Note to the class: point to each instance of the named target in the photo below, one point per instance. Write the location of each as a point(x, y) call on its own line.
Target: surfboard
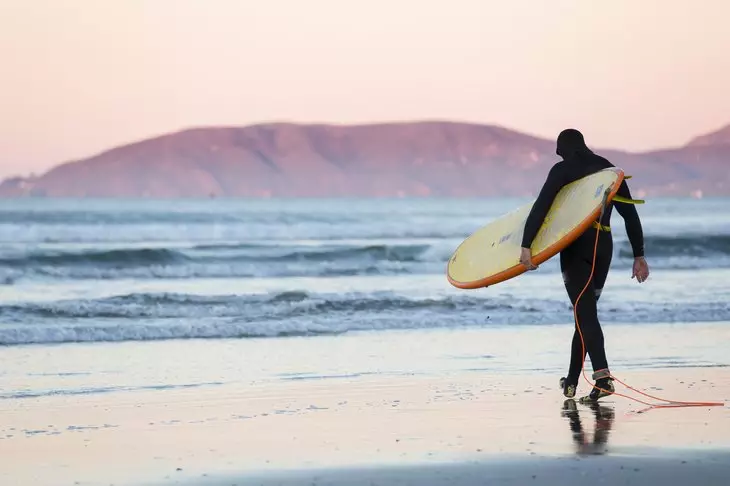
point(492, 253)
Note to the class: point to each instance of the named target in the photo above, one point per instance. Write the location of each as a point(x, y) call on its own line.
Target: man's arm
point(631, 221)
point(540, 208)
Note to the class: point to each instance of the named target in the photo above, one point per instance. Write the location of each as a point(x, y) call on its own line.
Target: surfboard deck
point(492, 253)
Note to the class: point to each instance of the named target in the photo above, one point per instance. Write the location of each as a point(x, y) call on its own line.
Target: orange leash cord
point(670, 403)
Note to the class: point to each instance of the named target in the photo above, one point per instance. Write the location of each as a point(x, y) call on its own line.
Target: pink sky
point(81, 76)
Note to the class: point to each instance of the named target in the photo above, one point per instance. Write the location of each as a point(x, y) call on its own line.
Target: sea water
point(236, 277)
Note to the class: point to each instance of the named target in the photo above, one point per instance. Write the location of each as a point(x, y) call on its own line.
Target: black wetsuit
point(576, 260)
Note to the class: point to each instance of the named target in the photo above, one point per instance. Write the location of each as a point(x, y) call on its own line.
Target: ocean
point(83, 282)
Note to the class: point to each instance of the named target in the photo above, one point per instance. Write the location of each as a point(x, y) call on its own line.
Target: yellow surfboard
point(492, 254)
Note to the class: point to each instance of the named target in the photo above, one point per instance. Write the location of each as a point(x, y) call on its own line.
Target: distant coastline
point(406, 159)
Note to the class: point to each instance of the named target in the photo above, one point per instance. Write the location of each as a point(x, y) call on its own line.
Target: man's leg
point(569, 384)
point(604, 381)
point(578, 353)
point(576, 272)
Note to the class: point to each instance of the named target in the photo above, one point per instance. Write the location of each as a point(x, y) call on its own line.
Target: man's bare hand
point(526, 259)
point(640, 270)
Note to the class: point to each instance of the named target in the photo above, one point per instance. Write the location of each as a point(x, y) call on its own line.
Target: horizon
point(83, 77)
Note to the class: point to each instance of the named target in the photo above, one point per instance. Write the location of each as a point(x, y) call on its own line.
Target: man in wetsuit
point(576, 259)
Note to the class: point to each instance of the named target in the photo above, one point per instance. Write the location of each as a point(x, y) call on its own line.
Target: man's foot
point(568, 387)
point(603, 387)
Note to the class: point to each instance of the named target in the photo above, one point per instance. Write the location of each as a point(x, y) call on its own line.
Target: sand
point(449, 428)
point(464, 406)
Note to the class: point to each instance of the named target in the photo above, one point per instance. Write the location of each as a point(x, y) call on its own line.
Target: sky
point(81, 76)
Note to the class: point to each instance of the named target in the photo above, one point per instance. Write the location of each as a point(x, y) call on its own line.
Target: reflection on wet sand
point(595, 443)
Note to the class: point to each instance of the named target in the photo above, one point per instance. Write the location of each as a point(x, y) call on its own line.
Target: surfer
point(576, 259)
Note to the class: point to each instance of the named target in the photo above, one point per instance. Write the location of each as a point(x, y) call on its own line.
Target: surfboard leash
point(668, 403)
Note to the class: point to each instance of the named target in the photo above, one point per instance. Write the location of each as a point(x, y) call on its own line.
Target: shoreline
point(560, 324)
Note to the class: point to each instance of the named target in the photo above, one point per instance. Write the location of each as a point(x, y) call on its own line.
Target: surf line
point(650, 406)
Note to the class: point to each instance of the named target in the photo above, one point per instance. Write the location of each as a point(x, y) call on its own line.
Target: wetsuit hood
point(570, 142)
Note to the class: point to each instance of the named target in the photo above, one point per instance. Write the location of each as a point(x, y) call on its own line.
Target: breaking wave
point(326, 258)
point(144, 317)
point(702, 246)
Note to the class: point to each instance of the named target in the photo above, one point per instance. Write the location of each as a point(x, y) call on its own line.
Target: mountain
point(430, 158)
point(719, 137)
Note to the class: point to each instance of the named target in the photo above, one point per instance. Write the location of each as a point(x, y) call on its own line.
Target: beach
point(307, 342)
point(462, 408)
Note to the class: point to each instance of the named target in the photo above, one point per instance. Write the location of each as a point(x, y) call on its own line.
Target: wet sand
point(450, 428)
point(677, 469)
